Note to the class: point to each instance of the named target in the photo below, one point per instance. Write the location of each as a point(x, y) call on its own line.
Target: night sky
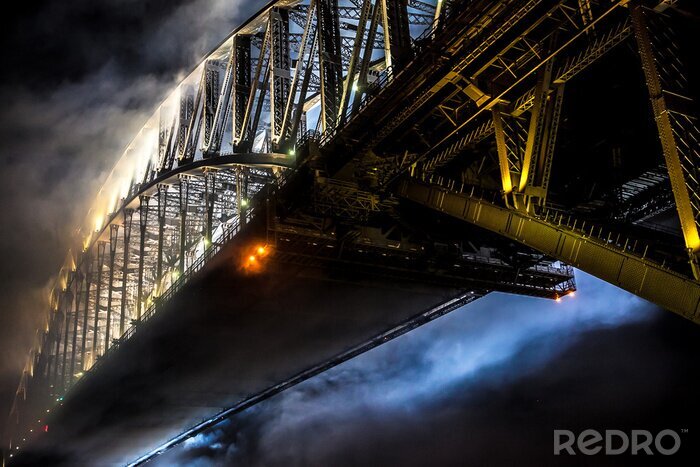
point(485, 385)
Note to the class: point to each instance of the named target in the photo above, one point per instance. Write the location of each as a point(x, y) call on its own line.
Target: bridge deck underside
point(601, 257)
point(228, 335)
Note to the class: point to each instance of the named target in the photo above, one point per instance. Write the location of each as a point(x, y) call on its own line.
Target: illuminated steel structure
point(345, 130)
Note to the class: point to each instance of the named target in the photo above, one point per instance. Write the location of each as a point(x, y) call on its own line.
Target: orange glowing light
point(251, 258)
point(572, 294)
point(261, 250)
point(558, 299)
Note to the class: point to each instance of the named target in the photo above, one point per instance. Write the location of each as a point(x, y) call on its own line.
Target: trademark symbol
point(684, 430)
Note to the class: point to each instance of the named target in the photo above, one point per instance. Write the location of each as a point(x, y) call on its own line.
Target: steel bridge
point(433, 150)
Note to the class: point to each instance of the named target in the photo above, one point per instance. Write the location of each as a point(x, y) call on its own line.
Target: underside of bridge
point(460, 147)
point(282, 297)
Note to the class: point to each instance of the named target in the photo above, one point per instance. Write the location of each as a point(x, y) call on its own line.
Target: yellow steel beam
point(682, 192)
point(618, 266)
point(502, 148)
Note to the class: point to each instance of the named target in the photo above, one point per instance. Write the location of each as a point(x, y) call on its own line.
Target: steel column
point(681, 158)
point(280, 65)
point(143, 231)
point(113, 239)
point(128, 216)
point(209, 197)
point(101, 246)
point(78, 279)
point(184, 197)
point(241, 85)
point(330, 61)
point(162, 208)
point(87, 264)
point(397, 36)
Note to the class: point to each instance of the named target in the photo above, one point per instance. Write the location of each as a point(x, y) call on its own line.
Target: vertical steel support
point(397, 36)
point(241, 193)
point(304, 66)
point(330, 61)
point(67, 305)
point(78, 280)
point(193, 125)
point(186, 113)
point(367, 56)
point(143, 231)
point(214, 137)
point(113, 239)
point(298, 117)
point(280, 75)
point(502, 148)
point(165, 138)
point(549, 139)
point(58, 328)
point(241, 84)
point(349, 83)
point(162, 210)
point(209, 198)
point(535, 129)
point(184, 197)
point(87, 264)
point(681, 155)
point(211, 98)
point(128, 216)
point(101, 247)
point(248, 129)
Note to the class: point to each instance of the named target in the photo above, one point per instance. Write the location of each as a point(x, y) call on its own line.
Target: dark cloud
point(485, 385)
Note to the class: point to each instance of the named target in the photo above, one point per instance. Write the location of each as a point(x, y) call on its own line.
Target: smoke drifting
point(79, 80)
point(486, 385)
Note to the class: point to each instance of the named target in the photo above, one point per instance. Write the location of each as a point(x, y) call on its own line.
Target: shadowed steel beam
point(397, 36)
point(280, 66)
point(241, 84)
point(247, 133)
point(329, 60)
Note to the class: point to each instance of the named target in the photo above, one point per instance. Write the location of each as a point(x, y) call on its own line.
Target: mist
point(453, 389)
point(80, 81)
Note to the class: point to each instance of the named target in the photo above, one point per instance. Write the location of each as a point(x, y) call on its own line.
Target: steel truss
point(398, 88)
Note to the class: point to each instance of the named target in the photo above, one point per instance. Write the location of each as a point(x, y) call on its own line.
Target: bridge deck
point(619, 266)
